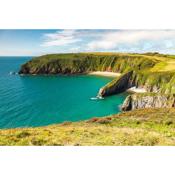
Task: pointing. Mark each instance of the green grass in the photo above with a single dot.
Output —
(139, 127)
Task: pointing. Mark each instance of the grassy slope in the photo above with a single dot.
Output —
(164, 62)
(139, 127)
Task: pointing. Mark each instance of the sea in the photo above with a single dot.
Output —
(40, 100)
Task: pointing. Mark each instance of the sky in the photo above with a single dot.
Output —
(39, 42)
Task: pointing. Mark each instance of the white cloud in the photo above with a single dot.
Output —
(60, 38)
(66, 37)
(112, 39)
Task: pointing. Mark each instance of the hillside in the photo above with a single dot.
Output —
(138, 127)
(152, 71)
(155, 72)
(86, 62)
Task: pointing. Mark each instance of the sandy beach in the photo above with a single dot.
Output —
(137, 90)
(105, 73)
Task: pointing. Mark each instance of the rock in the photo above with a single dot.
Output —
(127, 104)
(118, 85)
(12, 73)
(148, 100)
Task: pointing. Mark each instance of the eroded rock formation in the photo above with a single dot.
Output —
(118, 85)
(148, 100)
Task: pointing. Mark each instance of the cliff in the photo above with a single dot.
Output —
(158, 82)
(118, 85)
(86, 62)
(158, 78)
(148, 100)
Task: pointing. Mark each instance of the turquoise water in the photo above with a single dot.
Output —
(42, 100)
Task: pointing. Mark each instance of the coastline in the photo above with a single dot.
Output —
(105, 73)
(137, 98)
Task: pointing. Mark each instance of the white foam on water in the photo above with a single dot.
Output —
(96, 98)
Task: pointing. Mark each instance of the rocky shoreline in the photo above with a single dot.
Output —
(148, 100)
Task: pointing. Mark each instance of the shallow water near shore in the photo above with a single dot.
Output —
(29, 101)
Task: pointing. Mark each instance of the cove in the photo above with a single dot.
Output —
(30, 101)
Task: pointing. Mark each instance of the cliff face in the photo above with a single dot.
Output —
(160, 82)
(148, 100)
(118, 85)
(85, 62)
(157, 82)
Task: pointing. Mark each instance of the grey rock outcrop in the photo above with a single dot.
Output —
(138, 101)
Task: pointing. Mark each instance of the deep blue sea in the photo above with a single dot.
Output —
(43, 100)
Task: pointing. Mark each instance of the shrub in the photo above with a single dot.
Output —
(23, 134)
(103, 121)
(169, 122)
(92, 120)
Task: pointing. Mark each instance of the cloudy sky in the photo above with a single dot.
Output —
(38, 42)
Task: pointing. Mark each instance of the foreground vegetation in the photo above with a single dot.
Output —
(139, 127)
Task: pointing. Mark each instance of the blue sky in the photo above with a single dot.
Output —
(38, 42)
